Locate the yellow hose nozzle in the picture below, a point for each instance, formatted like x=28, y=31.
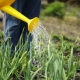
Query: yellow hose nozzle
x=5, y=6
x=33, y=24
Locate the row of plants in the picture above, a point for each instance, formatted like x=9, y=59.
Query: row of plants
x=52, y=62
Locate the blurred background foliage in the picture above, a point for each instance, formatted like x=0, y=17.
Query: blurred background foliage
x=55, y=9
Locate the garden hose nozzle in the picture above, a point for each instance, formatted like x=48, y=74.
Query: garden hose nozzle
x=5, y=6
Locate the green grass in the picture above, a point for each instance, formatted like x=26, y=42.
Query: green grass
x=53, y=62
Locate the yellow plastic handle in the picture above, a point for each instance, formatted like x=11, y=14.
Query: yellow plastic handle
x=15, y=13
x=6, y=2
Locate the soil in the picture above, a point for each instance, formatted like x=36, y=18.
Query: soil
x=70, y=26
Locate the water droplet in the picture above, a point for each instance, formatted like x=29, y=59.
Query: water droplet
x=40, y=35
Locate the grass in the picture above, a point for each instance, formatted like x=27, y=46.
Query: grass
x=53, y=62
